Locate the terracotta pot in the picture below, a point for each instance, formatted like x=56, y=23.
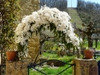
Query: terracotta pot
x=88, y=54
x=11, y=55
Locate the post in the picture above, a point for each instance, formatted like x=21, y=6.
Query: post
x=85, y=67
x=17, y=67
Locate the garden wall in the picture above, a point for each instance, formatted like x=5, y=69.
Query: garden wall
x=85, y=67
x=20, y=67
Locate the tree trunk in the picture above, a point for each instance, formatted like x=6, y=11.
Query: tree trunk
x=90, y=42
x=96, y=43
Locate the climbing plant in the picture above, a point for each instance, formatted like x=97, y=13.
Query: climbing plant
x=9, y=15
x=57, y=21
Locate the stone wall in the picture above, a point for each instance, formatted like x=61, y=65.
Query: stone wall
x=28, y=6
x=33, y=46
x=20, y=67
x=85, y=67
x=17, y=68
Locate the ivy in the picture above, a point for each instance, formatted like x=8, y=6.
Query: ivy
x=9, y=11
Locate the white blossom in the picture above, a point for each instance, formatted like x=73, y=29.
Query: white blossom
x=45, y=16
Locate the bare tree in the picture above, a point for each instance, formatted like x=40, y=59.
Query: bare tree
x=60, y=4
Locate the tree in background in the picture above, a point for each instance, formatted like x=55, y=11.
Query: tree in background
x=89, y=13
x=60, y=4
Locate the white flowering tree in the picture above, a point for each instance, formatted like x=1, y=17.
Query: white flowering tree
x=57, y=21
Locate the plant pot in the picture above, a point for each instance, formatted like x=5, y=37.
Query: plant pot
x=88, y=54
x=12, y=55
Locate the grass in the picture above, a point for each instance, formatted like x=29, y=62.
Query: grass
x=55, y=56
x=54, y=70
x=75, y=17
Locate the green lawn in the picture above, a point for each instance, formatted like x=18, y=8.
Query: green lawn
x=54, y=70
x=75, y=19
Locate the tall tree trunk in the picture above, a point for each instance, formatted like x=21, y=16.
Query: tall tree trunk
x=90, y=42
x=96, y=43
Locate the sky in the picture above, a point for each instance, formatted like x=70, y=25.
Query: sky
x=73, y=3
